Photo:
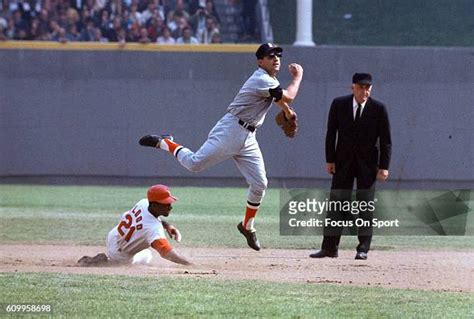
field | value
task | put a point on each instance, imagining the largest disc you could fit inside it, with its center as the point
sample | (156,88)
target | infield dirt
(421,270)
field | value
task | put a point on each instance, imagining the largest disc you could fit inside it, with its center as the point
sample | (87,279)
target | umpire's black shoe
(324,253)
(251,237)
(153,140)
(361,255)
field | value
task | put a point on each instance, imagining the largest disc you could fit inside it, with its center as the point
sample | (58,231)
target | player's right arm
(163,247)
(176,258)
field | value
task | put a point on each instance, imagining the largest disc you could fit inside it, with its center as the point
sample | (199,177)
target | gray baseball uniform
(234,135)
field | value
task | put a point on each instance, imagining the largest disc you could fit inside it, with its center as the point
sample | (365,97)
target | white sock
(163,145)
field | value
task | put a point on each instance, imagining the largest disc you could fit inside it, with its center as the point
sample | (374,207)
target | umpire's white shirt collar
(355,105)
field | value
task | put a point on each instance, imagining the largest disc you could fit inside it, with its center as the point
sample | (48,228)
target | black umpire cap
(362,78)
(267,49)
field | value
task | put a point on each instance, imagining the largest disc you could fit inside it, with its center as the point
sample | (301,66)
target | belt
(247,126)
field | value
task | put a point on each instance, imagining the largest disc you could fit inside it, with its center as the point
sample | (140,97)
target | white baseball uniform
(136,231)
(229,139)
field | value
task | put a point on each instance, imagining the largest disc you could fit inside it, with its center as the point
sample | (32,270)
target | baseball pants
(228,139)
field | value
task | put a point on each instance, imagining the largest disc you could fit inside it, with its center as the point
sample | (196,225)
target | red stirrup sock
(170,146)
(249,217)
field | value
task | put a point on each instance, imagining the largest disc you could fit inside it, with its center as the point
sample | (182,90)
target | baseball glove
(289,126)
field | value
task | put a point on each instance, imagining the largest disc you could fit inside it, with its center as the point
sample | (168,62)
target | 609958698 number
(27,308)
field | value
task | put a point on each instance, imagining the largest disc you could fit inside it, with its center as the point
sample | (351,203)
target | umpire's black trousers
(341,191)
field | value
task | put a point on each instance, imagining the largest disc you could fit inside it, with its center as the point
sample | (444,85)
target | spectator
(142,4)
(179,11)
(181,23)
(20,24)
(216,38)
(194,5)
(211,11)
(43,20)
(77,4)
(104,24)
(133,34)
(89,10)
(3,37)
(134,17)
(89,32)
(11,29)
(3,26)
(249,20)
(198,21)
(115,8)
(83,17)
(53,30)
(153,7)
(21,35)
(60,35)
(99,37)
(62,5)
(187,37)
(72,34)
(89,4)
(99,4)
(155,25)
(114,30)
(165,37)
(62,19)
(35,33)
(80,19)
(209,31)
(121,37)
(72,17)
(144,39)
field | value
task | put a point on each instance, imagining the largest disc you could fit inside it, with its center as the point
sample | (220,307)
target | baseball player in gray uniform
(234,134)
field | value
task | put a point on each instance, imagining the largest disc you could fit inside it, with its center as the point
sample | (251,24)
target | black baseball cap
(266,49)
(362,78)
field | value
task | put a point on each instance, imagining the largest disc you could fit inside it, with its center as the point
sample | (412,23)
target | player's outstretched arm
(163,247)
(296,71)
(176,258)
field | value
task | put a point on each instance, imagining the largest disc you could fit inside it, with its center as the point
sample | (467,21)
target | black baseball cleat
(324,253)
(361,256)
(153,140)
(251,237)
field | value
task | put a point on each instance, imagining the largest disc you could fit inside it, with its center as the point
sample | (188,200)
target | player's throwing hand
(295,70)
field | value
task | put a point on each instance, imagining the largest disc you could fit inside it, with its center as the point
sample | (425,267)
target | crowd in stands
(143,21)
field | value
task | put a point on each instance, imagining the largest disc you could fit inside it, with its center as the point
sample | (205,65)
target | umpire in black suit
(358,147)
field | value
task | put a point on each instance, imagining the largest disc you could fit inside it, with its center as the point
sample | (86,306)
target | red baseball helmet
(160,194)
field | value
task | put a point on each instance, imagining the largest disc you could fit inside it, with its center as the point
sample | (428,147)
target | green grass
(83,215)
(207,217)
(381,23)
(120,296)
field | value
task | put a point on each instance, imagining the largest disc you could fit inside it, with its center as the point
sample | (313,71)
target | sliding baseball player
(139,229)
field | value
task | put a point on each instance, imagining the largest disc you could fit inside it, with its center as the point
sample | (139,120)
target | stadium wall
(76,115)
